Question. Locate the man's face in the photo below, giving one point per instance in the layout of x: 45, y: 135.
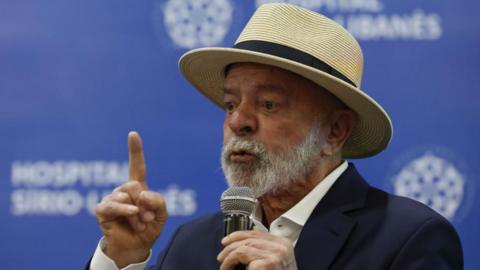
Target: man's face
x: 273, y: 129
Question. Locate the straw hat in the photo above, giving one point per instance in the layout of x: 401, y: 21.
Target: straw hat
x: 305, y: 43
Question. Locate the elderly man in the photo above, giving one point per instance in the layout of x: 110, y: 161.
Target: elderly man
x: 290, y: 87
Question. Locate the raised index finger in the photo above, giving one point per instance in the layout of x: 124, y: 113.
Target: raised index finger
x: 136, y: 164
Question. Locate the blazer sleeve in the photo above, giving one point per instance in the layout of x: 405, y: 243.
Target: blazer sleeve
x: 161, y: 256
x: 195, y: 245
x: 434, y: 245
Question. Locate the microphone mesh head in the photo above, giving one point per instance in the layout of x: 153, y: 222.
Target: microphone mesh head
x: 237, y: 200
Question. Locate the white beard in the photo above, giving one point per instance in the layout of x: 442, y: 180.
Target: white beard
x: 270, y: 172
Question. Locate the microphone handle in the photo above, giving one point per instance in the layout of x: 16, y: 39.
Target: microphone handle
x: 237, y: 222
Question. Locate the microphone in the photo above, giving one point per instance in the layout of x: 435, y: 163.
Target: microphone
x: 237, y: 205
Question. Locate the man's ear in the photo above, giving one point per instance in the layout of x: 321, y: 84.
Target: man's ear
x: 342, y: 122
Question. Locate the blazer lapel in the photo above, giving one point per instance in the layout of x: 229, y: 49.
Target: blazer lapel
x: 328, y: 228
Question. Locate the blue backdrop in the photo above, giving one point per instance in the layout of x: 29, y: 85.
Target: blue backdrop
x: 76, y: 76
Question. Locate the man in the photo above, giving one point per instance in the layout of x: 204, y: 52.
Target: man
x: 294, y: 110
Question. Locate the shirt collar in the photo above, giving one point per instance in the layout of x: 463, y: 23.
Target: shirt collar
x: 301, y: 211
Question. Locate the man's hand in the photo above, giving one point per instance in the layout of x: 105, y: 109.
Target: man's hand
x: 258, y: 250
x: 131, y: 217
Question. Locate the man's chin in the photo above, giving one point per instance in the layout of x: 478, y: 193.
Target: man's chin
x: 239, y: 183
x: 257, y: 189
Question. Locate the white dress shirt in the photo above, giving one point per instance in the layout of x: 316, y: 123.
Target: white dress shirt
x: 288, y: 225
x: 291, y: 223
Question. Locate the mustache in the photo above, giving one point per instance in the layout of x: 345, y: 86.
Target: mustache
x: 241, y: 145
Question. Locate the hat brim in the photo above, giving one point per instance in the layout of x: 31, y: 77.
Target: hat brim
x: 205, y: 69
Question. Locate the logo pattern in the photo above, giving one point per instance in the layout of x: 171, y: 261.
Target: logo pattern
x: 433, y: 181
x: 197, y: 23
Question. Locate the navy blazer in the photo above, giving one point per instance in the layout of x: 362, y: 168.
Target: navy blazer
x: 355, y: 226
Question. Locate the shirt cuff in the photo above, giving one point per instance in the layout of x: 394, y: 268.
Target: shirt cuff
x: 100, y: 261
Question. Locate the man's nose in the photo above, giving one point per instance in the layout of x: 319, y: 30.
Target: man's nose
x: 242, y: 121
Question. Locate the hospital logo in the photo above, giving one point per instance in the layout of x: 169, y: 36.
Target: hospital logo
x: 195, y: 23
x: 433, y: 180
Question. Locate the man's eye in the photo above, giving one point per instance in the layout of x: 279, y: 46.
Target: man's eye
x: 229, y: 106
x: 269, y: 105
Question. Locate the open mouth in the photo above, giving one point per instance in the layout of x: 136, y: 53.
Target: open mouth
x: 242, y: 156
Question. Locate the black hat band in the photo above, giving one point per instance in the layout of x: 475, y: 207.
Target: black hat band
x: 291, y: 54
